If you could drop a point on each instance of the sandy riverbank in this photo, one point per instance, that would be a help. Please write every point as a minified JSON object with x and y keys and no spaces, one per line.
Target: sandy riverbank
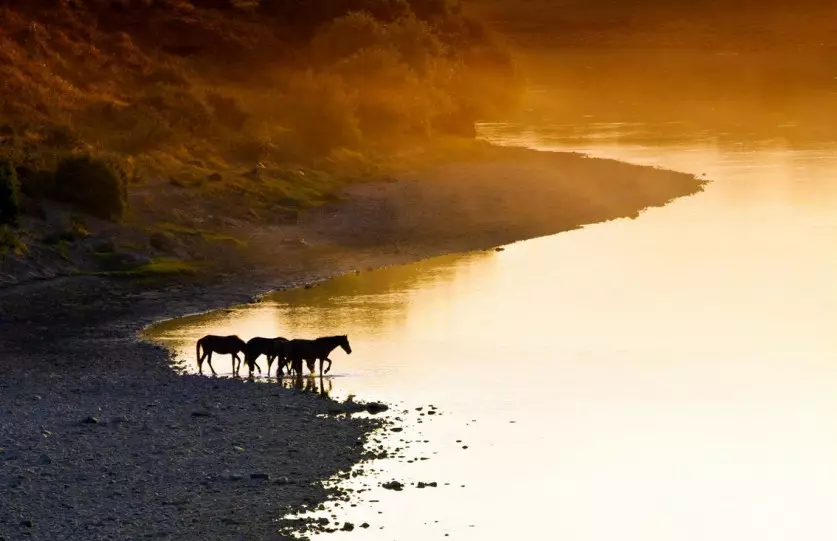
{"x":186,"y":457}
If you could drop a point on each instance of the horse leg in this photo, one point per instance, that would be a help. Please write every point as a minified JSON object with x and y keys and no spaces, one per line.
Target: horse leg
{"x":321,"y":364}
{"x":236,"y":367}
{"x":200,"y":363}
{"x":209,"y":362}
{"x":269,"y":363}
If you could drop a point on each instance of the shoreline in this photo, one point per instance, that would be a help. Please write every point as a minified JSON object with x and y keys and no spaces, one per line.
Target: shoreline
{"x":173,"y":455}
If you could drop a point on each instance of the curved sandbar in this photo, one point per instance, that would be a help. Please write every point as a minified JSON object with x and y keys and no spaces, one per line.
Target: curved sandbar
{"x":102,"y":438}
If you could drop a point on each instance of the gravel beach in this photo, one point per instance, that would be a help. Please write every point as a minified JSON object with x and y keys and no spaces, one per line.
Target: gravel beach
{"x":101,"y":439}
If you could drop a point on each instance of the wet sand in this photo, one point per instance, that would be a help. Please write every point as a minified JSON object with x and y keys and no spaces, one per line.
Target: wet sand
{"x":102,"y":439}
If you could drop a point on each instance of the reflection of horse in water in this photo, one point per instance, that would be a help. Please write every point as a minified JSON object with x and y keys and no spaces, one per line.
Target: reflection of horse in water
{"x":309,"y":385}
{"x":310,"y":351}
{"x":224,"y":345}
{"x":271,"y":348}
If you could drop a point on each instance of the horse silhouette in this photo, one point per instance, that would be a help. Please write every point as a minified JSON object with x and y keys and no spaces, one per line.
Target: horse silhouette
{"x":310,"y":351}
{"x":224,"y":345}
{"x":272,"y":348}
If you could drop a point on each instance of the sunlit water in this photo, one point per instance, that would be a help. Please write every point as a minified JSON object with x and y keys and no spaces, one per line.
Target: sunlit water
{"x":672,"y":377}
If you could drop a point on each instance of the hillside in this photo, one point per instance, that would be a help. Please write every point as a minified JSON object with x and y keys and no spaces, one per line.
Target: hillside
{"x":212,"y":114}
{"x":653,"y":24}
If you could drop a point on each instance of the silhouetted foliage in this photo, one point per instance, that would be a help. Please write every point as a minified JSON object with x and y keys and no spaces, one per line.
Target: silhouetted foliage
{"x":323,"y":112}
{"x":227,"y":110}
{"x":94,"y":185}
{"x":9,"y":194}
{"x":214,"y":4}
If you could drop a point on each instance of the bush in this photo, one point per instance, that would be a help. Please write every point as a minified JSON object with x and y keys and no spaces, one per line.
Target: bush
{"x":10,"y":241}
{"x":181,"y":108}
{"x":323,"y":112}
{"x":227,"y":110}
{"x":9,"y":194}
{"x":93,"y":185}
{"x":347,"y":36}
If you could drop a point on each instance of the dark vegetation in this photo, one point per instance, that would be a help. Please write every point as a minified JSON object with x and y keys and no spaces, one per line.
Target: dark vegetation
{"x":147,"y":112}
{"x":9,"y":194}
{"x":186,"y":89}
{"x":92,"y":185}
{"x":743,"y":25}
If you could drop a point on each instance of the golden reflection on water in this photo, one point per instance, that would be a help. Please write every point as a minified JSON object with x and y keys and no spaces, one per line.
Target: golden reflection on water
{"x":667,"y":378}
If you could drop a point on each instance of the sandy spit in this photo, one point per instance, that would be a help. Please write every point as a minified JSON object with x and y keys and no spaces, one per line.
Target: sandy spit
{"x":101,"y":439}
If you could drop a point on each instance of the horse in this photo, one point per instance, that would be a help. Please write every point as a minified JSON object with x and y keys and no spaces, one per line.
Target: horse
{"x":224,"y":345}
{"x":271,"y":348}
{"x":299,"y":350}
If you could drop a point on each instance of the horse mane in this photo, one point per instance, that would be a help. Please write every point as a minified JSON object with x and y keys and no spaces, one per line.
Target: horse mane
{"x":333,"y":337}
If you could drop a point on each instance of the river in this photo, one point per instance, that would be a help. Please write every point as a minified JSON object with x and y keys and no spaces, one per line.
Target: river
{"x":672,"y":377}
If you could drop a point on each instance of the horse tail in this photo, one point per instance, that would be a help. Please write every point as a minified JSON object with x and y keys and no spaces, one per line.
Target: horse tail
{"x":198,"y":350}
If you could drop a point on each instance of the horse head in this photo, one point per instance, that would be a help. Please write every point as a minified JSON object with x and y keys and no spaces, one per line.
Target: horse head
{"x":344,"y":343}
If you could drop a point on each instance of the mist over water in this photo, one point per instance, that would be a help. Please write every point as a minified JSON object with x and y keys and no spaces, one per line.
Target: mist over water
{"x":668,"y":377}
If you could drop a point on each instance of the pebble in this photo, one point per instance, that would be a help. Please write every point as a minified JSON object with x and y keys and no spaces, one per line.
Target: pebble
{"x":393,"y":485}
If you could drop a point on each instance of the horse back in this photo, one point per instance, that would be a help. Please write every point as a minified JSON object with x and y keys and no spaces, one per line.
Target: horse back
{"x":223,"y":344}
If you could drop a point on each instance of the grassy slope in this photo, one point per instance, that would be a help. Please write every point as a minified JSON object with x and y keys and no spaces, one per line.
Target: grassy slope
{"x":189,"y":98}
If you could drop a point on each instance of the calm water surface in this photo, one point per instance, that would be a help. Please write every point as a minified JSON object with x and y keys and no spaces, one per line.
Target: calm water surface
{"x":672,"y":377}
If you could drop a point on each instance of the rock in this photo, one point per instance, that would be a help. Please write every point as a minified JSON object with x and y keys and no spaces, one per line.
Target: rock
{"x":425,"y":485}
{"x":163,"y":242}
{"x":376,"y":407}
{"x":499,"y":249}
{"x":348,"y":527}
{"x":397,"y":429}
{"x":364,"y":525}
{"x":46,"y":459}
{"x":231,"y":521}
{"x":283,"y":481}
{"x":129,"y":260}
{"x":102,"y":246}
{"x":294,"y":241}
{"x":393,"y":485}
{"x":90,"y":421}
{"x":27,"y":523}
{"x":260,"y":476}
{"x":201,"y":413}
{"x":32,"y":207}
{"x":215,"y":177}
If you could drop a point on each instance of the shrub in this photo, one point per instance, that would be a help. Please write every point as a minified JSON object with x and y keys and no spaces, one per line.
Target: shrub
{"x":323,"y":112}
{"x":93,"y":185}
{"x":227,"y":110}
{"x":180,"y":108}
{"x":348,"y":35}
{"x":9,"y":240}
{"x":61,"y":137}
{"x":9,"y":194}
